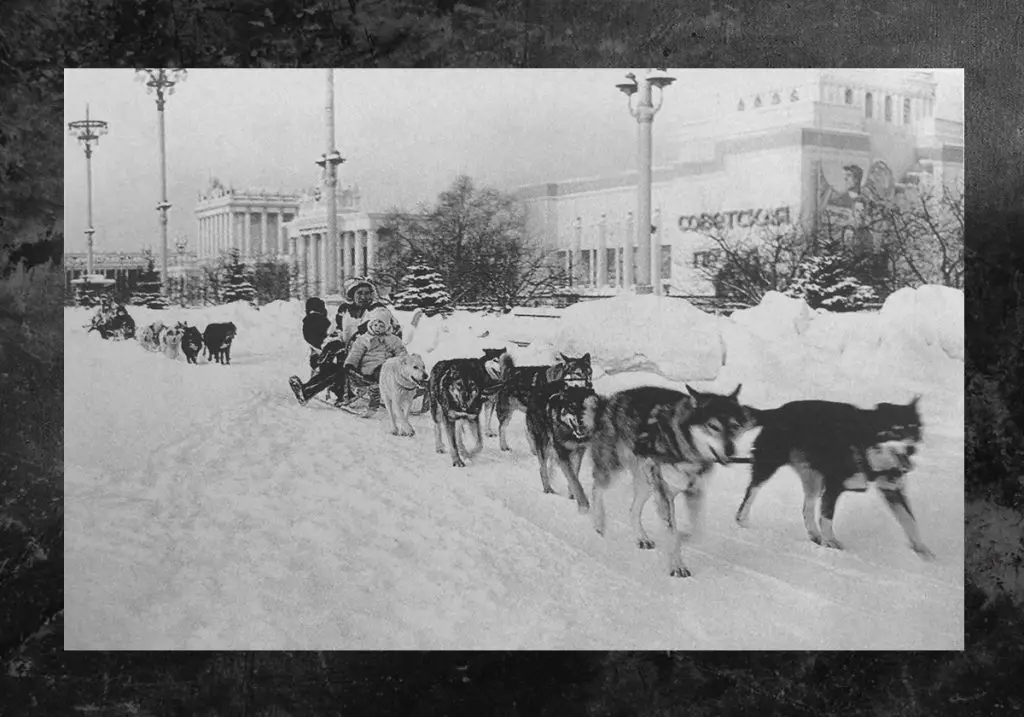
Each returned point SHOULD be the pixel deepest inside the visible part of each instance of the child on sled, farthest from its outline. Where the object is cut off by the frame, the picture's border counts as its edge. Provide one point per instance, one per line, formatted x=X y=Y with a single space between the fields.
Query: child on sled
x=370 y=350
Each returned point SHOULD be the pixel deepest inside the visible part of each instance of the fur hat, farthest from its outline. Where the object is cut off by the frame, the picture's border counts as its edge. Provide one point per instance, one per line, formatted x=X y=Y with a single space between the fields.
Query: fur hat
x=381 y=315
x=315 y=304
x=358 y=283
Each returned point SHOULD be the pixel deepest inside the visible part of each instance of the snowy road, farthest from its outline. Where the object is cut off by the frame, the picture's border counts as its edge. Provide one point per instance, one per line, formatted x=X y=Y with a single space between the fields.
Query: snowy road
x=205 y=509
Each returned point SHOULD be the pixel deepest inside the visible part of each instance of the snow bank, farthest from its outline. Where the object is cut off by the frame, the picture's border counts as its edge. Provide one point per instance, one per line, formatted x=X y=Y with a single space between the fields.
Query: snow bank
x=931 y=317
x=627 y=333
x=777 y=317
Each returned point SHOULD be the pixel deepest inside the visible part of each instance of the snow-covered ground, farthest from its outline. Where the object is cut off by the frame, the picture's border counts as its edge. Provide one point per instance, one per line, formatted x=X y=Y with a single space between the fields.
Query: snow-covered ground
x=205 y=509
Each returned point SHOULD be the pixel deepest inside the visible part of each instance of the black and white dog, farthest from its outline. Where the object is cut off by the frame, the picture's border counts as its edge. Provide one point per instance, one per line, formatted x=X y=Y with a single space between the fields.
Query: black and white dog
x=520 y=383
x=669 y=441
x=457 y=389
x=556 y=427
x=834 y=448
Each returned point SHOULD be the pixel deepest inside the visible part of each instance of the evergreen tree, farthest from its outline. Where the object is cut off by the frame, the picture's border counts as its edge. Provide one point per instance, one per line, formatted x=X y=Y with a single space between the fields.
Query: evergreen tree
x=825 y=281
x=147 y=290
x=423 y=288
x=237 y=282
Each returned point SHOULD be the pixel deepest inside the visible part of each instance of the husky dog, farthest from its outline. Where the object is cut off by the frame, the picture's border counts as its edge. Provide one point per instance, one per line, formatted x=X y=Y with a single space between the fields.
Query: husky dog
x=645 y=429
x=556 y=423
x=521 y=382
x=149 y=337
x=400 y=377
x=456 y=391
x=836 y=447
x=170 y=339
x=191 y=343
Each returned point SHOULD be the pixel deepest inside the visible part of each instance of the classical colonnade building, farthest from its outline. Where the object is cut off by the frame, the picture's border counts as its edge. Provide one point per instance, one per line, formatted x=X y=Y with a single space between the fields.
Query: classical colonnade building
x=764 y=157
x=323 y=263
x=251 y=220
x=291 y=227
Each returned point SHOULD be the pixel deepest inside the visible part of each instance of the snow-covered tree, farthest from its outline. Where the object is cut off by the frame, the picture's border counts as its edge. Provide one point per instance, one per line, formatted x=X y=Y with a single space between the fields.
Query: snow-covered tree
x=147 y=290
x=423 y=288
x=824 y=281
x=236 y=283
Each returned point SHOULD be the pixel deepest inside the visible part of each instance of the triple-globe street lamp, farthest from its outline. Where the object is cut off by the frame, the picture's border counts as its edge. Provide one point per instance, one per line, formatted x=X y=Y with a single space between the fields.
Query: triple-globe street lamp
x=161 y=81
x=648 y=262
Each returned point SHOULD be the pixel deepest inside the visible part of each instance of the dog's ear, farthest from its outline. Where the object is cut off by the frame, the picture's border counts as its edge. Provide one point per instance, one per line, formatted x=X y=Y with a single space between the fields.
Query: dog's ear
x=913 y=401
x=561 y=358
x=693 y=392
x=586 y=357
x=736 y=394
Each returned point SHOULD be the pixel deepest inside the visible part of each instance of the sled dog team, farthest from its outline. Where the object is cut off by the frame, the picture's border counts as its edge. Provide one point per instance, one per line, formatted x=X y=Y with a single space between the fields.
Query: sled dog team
x=667 y=440
x=214 y=342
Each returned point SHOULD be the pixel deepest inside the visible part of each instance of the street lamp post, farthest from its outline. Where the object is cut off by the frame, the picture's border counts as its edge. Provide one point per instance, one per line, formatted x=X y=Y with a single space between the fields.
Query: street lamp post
x=648 y=270
x=88 y=131
x=162 y=81
x=329 y=162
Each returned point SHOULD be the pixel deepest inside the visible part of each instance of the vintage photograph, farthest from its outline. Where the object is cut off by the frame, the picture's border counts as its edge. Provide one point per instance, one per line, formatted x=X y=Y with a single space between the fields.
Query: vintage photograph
x=603 y=359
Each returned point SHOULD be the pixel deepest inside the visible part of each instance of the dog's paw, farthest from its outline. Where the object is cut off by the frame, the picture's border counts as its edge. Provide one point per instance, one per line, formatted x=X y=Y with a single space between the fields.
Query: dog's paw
x=458 y=464
x=548 y=489
x=407 y=432
x=831 y=543
x=490 y=433
x=923 y=551
x=583 y=508
x=645 y=544
x=680 y=572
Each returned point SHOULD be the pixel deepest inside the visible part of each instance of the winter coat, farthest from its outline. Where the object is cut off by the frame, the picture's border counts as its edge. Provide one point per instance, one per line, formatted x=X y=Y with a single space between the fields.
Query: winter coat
x=351 y=320
x=369 y=352
x=315 y=328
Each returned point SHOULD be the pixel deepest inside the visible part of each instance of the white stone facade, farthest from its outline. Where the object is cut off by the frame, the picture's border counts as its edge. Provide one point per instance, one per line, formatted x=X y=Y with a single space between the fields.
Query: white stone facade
x=763 y=159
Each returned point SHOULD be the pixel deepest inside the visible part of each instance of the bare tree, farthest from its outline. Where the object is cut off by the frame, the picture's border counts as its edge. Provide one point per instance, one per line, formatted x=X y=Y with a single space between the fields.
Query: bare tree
x=923 y=233
x=477 y=241
x=745 y=266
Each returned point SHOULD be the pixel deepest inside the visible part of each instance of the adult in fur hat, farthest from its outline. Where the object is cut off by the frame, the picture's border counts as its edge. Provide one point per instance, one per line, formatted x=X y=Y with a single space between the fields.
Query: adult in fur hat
x=353 y=315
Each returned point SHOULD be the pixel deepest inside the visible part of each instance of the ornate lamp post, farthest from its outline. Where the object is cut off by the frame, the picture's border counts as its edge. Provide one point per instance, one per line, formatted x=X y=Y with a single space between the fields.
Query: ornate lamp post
x=162 y=81
x=648 y=262
x=329 y=162
x=88 y=132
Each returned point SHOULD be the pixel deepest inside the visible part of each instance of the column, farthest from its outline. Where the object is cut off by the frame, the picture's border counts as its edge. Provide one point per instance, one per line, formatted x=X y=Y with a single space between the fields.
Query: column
x=247 y=233
x=627 y=253
x=331 y=261
x=303 y=266
x=360 y=241
x=314 y=264
x=347 y=258
x=577 y=251
x=264 y=243
x=286 y=247
x=325 y=268
x=371 y=250
x=293 y=259
x=602 y=252
x=613 y=234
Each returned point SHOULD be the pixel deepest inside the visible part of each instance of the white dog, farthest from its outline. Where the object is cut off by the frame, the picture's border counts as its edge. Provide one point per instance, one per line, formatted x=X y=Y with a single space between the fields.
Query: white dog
x=400 y=377
x=170 y=339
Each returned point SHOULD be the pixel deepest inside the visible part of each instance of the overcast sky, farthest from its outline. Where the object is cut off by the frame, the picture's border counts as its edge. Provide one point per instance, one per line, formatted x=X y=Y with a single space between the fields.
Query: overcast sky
x=405 y=134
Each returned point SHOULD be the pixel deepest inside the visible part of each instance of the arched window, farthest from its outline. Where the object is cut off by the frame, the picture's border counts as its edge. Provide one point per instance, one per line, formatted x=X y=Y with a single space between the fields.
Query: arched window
x=848 y=97
x=757 y=101
x=740 y=107
x=869 y=108
x=775 y=98
x=888 y=108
